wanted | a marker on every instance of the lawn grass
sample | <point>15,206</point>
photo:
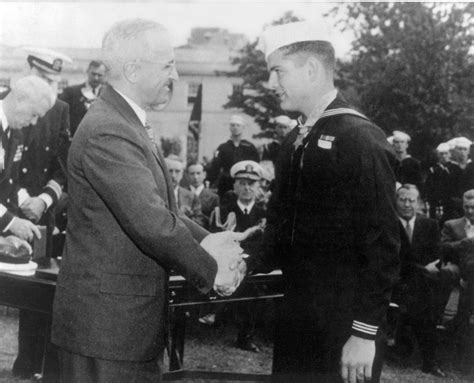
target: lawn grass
<point>212,349</point>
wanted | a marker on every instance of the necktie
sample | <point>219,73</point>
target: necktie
<point>245,211</point>
<point>409,230</point>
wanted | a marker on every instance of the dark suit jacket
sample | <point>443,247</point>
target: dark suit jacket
<point>415,286</point>
<point>45,151</point>
<point>190,205</point>
<point>77,105</point>
<point>456,247</point>
<point>123,238</point>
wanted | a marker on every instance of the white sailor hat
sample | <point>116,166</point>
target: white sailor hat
<point>48,61</point>
<point>277,36</point>
<point>237,119</point>
<point>443,147</point>
<point>399,135</point>
<point>285,121</point>
<point>250,170</point>
<point>462,142</point>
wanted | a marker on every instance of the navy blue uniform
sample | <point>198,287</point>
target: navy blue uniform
<point>333,230</point>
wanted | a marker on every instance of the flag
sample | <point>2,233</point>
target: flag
<point>194,128</point>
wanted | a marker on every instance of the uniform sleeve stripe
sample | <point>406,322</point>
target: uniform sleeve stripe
<point>55,187</point>
<point>363,327</point>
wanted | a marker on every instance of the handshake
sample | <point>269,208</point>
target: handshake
<point>225,248</point>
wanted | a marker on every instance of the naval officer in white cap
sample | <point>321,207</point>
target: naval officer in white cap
<point>332,224</point>
<point>43,178</point>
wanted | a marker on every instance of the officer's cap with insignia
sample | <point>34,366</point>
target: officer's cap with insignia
<point>249,170</point>
<point>277,36</point>
<point>48,61</point>
<point>402,136</point>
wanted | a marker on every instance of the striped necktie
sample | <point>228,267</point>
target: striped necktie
<point>409,230</point>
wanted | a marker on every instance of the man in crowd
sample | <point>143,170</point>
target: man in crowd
<point>42,175</point>
<point>230,152</point>
<point>28,100</point>
<point>457,237</point>
<point>80,97</point>
<point>209,200</point>
<point>332,224</point>
<point>461,176</point>
<point>188,203</point>
<point>124,232</point>
<point>417,291</point>
<point>440,188</point>
<point>283,124</point>
<point>408,170</point>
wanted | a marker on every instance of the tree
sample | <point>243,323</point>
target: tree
<point>410,68</point>
<point>254,98</point>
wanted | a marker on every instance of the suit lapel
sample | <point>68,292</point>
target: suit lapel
<point>111,97</point>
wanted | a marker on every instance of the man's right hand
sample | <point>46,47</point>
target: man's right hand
<point>24,229</point>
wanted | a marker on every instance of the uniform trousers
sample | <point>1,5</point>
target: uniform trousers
<point>77,368</point>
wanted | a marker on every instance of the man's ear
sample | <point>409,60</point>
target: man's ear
<point>315,68</point>
<point>130,71</point>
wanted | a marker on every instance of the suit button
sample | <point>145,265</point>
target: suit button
<point>47,148</point>
<point>8,200</point>
<point>10,181</point>
<point>24,170</point>
<point>45,170</point>
<point>25,148</point>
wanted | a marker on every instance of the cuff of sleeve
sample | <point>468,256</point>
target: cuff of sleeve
<point>6,220</point>
<point>364,330</point>
<point>46,198</point>
<point>54,190</point>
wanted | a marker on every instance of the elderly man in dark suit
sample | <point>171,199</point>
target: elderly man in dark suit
<point>28,100</point>
<point>80,97</point>
<point>209,200</point>
<point>124,232</point>
<point>417,291</point>
<point>332,225</point>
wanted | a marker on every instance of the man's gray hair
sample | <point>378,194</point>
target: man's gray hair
<point>122,43</point>
<point>33,88</point>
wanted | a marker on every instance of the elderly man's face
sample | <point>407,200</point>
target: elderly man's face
<point>468,206</point>
<point>156,71</point>
<point>95,75</point>
<point>400,145</point>
<point>245,189</point>
<point>407,203</point>
<point>175,169</point>
<point>196,175</point>
<point>289,80</point>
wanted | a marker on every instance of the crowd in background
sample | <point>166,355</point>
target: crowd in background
<point>231,192</point>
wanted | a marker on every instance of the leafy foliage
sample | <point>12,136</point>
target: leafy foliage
<point>254,98</point>
<point>410,68</point>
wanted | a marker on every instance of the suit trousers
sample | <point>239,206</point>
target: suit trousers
<point>77,368</point>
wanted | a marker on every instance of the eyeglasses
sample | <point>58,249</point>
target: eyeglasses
<point>168,65</point>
